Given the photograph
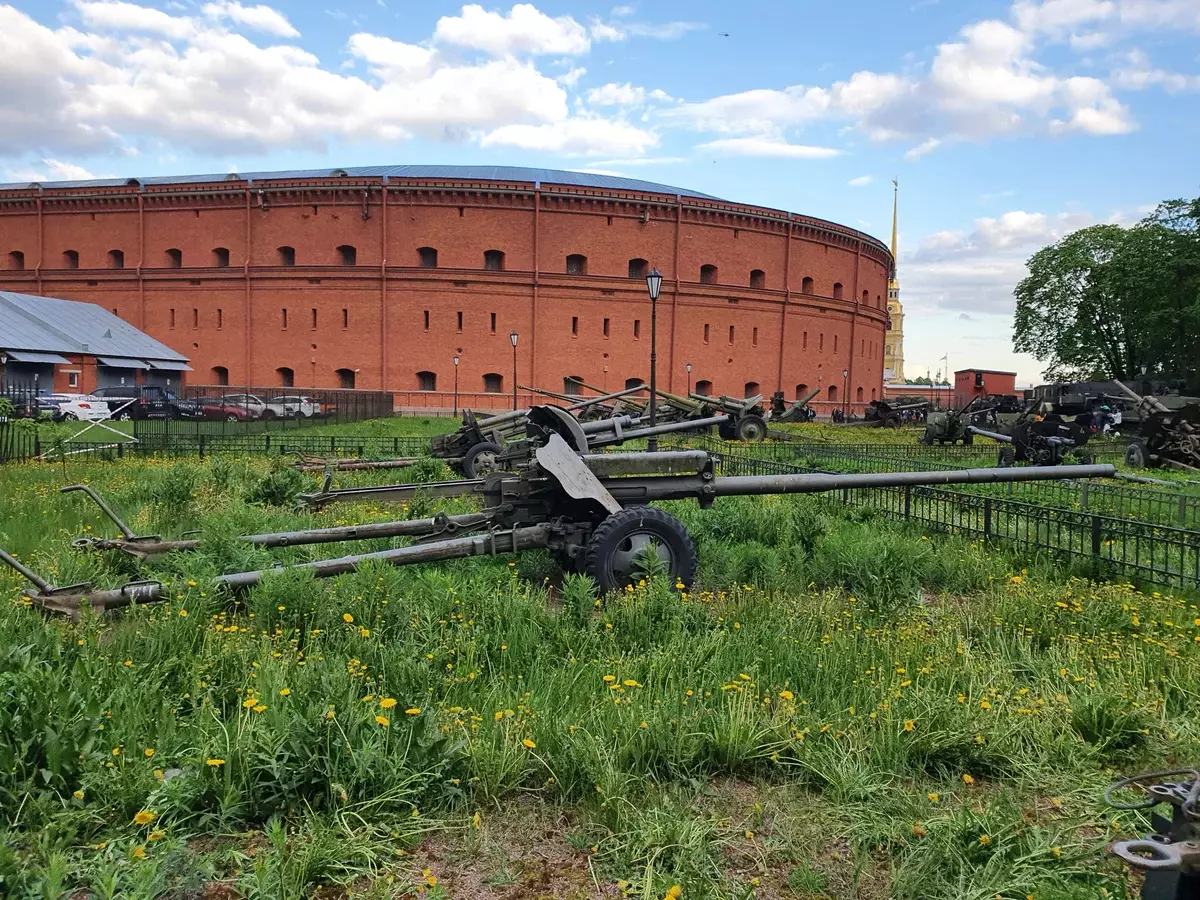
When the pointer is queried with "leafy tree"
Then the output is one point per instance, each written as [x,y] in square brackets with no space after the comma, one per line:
[1106,300]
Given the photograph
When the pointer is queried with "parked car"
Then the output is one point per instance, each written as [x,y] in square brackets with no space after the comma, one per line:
[256,407]
[80,407]
[292,406]
[146,401]
[217,409]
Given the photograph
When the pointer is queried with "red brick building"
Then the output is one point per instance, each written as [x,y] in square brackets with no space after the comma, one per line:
[378,277]
[972,383]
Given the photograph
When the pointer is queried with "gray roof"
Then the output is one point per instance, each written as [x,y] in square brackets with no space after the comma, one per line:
[386,173]
[71,326]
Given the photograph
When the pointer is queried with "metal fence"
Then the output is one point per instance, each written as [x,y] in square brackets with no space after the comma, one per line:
[16,443]
[1109,545]
[187,442]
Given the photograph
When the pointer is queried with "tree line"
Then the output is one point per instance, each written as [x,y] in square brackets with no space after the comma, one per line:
[1106,300]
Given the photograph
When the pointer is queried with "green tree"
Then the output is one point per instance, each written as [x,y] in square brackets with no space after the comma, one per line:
[1106,300]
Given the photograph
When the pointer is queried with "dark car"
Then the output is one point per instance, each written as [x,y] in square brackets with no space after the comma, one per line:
[146,401]
[224,409]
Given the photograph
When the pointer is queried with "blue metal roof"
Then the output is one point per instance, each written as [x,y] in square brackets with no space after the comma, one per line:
[457,173]
[49,325]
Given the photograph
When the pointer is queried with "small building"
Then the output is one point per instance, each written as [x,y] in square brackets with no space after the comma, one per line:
[938,395]
[972,383]
[68,347]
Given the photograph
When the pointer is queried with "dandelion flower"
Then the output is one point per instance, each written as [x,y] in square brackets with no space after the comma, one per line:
[787,695]
[983,704]
[214,762]
[286,692]
[260,708]
[387,702]
[674,892]
[933,797]
[909,725]
[249,703]
[413,711]
[156,835]
[529,745]
[183,613]
[144,817]
[78,795]
[148,752]
[609,679]
[476,820]
[139,853]
[347,618]
[629,682]
[985,839]
[116,751]
[967,779]
[383,720]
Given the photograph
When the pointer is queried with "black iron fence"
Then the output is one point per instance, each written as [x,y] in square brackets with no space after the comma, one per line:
[16,442]
[175,441]
[1109,545]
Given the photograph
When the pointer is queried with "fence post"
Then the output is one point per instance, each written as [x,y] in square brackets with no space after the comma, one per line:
[202,443]
[332,445]
[1183,502]
[120,449]
[1095,545]
[907,499]
[987,517]
[267,448]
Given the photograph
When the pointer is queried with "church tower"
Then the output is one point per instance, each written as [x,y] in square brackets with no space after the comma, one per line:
[893,353]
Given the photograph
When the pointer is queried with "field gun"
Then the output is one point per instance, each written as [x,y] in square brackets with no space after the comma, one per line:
[1044,443]
[799,411]
[1170,855]
[588,510]
[951,426]
[1168,437]
[881,414]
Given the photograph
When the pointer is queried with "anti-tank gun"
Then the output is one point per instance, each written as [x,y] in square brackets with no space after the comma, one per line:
[953,425]
[881,414]
[799,411]
[1168,437]
[1044,443]
[589,510]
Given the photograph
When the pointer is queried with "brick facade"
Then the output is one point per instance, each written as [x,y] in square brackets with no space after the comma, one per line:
[382,318]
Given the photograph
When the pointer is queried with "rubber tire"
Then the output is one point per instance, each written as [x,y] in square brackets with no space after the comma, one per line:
[70,417]
[928,436]
[610,534]
[268,414]
[231,418]
[968,439]
[747,425]
[1135,455]
[727,431]
[891,422]
[469,459]
[123,416]
[1008,457]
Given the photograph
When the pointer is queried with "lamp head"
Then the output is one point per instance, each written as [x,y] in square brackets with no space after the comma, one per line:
[688,366]
[654,283]
[513,337]
[456,360]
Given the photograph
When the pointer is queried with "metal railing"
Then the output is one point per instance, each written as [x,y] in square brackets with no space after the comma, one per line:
[1111,546]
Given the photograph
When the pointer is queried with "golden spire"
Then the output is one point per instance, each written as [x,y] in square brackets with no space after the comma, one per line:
[895,200]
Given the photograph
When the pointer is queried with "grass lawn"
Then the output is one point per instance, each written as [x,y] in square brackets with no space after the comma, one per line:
[839,708]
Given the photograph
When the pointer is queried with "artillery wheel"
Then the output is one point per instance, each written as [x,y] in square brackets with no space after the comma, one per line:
[1008,456]
[614,549]
[927,437]
[1135,455]
[727,431]
[892,422]
[750,429]
[480,460]
[968,439]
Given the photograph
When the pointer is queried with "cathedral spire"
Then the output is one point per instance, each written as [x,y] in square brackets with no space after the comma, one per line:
[895,202]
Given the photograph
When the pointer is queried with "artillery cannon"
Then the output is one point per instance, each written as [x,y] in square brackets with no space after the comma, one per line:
[1170,855]
[1168,437]
[881,414]
[1044,443]
[951,426]
[799,411]
[588,510]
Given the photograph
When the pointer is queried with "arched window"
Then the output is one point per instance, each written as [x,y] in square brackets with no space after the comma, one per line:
[704,387]
[426,381]
[859,395]
[638,268]
[801,390]
[220,375]
[287,377]
[751,389]
[116,259]
[837,290]
[832,393]
[287,256]
[493,383]
[572,385]
[427,257]
[576,264]
[493,260]
[633,382]
[220,257]
[806,285]
[70,259]
[708,274]
[866,297]
[758,278]
[345,378]
[347,255]
[174,258]
[16,260]
[872,395]
[878,302]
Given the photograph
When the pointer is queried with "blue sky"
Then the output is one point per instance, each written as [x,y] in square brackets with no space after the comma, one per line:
[1008,124]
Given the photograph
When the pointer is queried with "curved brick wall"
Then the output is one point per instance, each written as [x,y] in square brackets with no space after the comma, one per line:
[382,315]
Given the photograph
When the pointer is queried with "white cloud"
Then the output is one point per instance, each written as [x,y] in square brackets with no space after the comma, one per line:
[766,146]
[575,137]
[261,18]
[525,29]
[860,181]
[613,94]
[53,170]
[1095,22]
[602,31]
[619,31]
[571,77]
[623,11]
[1137,74]
[926,146]
[643,161]
[115,15]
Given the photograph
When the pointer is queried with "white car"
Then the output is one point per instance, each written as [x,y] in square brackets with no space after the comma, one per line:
[254,406]
[292,406]
[80,408]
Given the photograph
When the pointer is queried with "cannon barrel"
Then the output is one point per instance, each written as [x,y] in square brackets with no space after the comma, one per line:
[1153,402]
[668,428]
[995,436]
[809,396]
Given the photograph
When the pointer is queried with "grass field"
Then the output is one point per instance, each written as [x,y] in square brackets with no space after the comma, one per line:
[838,709]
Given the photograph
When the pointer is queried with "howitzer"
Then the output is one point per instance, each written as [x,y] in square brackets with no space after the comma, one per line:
[799,411]
[1043,443]
[1170,855]
[1168,437]
[881,414]
[590,513]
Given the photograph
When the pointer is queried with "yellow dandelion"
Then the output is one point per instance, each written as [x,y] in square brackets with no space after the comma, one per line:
[785,695]
[183,613]
[347,618]
[250,703]
[629,682]
[156,835]
[529,745]
[674,892]
[286,692]
[260,708]
[967,779]
[148,752]
[139,853]
[983,704]
[1057,851]
[144,817]
[383,720]
[476,820]
[985,839]
[387,702]
[909,725]
[609,679]
[78,795]
[933,797]
[413,711]
[214,762]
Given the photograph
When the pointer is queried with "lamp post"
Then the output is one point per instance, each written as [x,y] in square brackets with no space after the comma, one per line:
[513,337]
[456,386]
[653,286]
[845,390]
[688,366]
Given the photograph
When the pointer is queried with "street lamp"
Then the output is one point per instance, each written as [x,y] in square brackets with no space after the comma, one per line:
[653,286]
[845,390]
[456,386]
[513,337]
[688,366]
